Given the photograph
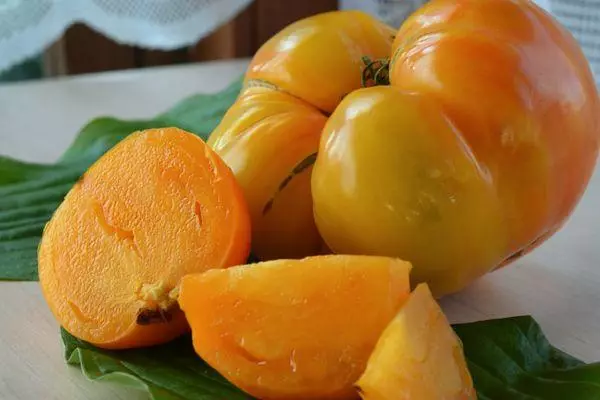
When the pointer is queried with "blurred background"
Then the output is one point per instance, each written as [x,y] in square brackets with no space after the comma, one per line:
[48,38]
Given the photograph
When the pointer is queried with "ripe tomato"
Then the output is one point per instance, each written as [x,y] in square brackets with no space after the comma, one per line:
[271,135]
[477,152]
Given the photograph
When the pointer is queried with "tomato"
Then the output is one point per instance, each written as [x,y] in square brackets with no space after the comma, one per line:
[477,152]
[392,178]
[269,140]
[270,136]
[319,59]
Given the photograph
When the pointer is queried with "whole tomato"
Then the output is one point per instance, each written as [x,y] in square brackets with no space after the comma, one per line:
[477,151]
[319,59]
[270,136]
[269,140]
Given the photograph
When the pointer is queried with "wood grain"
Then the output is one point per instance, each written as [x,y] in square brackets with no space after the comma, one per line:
[235,39]
[274,15]
[32,364]
[153,58]
[88,51]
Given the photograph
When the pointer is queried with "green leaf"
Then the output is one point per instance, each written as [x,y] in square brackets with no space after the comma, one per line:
[29,193]
[169,372]
[512,359]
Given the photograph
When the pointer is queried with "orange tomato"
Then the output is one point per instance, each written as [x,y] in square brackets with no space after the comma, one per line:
[157,206]
[269,140]
[297,329]
[270,136]
[521,95]
[319,59]
[476,151]
[479,150]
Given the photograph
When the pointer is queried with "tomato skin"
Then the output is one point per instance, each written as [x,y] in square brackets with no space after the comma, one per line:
[263,138]
[319,59]
[276,122]
[493,87]
[477,151]
[519,89]
[393,177]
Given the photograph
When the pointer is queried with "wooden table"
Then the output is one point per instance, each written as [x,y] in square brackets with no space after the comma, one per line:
[559,284]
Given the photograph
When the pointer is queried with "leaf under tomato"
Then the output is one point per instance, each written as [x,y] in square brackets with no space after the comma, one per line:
[168,372]
[508,359]
[512,359]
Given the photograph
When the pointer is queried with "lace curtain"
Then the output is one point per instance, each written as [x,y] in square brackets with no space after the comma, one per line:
[29,26]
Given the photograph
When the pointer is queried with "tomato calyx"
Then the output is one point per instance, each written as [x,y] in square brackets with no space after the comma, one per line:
[375,72]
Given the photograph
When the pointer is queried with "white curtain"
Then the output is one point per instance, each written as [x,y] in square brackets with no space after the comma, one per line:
[29,26]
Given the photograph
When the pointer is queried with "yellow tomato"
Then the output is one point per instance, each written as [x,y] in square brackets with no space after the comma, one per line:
[269,140]
[392,178]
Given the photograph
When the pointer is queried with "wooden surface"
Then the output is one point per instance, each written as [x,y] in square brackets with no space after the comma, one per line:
[38,120]
[557,284]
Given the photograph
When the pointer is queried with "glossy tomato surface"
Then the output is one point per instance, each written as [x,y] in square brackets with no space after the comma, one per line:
[270,136]
[477,152]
